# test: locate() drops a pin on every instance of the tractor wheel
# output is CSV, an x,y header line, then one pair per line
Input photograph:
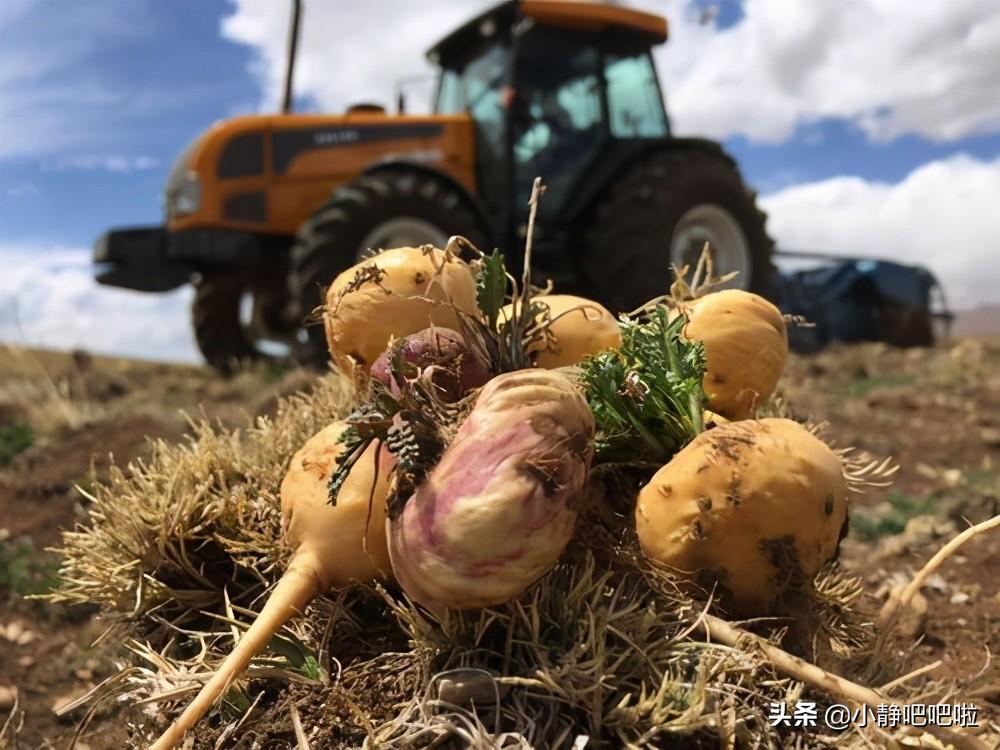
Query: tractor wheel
x,y
216,318
660,213
373,213
237,321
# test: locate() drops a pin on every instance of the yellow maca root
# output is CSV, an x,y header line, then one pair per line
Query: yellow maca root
x,y
414,287
581,328
332,534
746,347
334,545
753,506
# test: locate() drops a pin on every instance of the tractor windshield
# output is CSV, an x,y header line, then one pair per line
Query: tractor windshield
x,y
556,118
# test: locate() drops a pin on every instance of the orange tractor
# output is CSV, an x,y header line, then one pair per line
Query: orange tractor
x,y
263,211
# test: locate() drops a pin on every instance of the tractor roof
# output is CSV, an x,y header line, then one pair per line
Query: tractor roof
x,y
578,15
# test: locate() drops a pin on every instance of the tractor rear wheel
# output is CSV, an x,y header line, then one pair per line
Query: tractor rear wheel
x,y
660,213
373,213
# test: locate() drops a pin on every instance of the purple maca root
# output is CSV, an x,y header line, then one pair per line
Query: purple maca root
x,y
497,511
438,353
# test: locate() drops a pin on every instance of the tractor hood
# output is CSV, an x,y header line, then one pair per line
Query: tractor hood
x,y
254,173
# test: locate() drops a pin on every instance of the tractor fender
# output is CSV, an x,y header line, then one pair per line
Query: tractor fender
x,y
696,144
619,158
473,203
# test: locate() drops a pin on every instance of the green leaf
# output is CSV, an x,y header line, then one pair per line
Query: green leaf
x,y
14,438
299,657
646,396
235,703
311,669
491,287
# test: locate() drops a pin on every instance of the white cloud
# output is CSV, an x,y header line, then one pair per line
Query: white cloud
x,y
48,298
22,190
888,66
348,52
942,215
103,162
46,94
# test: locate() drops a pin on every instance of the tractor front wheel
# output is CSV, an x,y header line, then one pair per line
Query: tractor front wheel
x,y
237,318
660,213
373,213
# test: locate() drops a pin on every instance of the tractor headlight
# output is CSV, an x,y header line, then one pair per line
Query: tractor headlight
x,y
183,195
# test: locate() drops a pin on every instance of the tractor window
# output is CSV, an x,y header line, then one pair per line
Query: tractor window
x,y
635,108
483,79
476,89
475,86
551,116
449,94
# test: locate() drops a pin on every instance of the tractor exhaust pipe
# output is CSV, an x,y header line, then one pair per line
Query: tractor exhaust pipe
x,y
293,44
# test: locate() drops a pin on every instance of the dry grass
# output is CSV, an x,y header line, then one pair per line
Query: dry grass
x,y
169,535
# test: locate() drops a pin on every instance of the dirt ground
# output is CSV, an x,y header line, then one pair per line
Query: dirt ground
x,y
937,412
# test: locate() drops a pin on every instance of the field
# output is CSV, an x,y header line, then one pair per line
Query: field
x,y
63,417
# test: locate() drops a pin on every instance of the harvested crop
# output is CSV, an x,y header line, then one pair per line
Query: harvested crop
x,y
440,354
746,347
579,328
755,506
498,509
394,294
334,545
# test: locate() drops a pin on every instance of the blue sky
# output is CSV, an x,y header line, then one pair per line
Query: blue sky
x,y
141,79
855,134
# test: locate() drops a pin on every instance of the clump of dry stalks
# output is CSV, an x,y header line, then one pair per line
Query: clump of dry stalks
x,y
181,549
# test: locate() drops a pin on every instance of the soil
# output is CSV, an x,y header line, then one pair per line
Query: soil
x,y
936,411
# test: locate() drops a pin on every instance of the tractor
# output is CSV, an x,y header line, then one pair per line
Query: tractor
x,y
263,211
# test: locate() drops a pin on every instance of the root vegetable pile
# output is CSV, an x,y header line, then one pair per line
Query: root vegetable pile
x,y
440,353
580,328
459,479
396,293
746,347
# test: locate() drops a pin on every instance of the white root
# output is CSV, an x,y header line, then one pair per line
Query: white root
x,y
810,674
890,612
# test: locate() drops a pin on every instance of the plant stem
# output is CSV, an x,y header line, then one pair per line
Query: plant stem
x,y
536,192
646,434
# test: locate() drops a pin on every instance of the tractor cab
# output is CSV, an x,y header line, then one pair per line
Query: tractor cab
x,y
554,88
